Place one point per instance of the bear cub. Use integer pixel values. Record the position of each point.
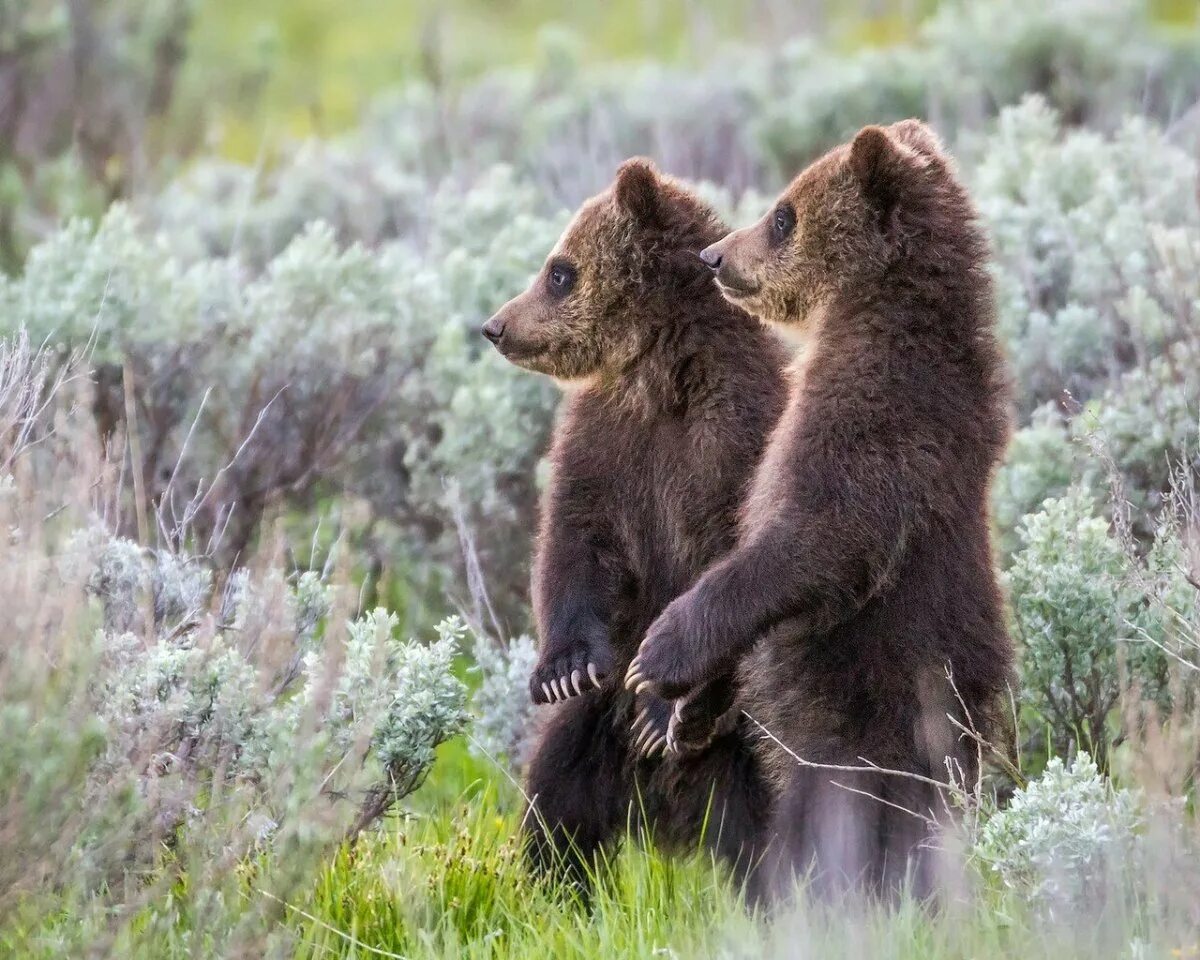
(671, 392)
(863, 589)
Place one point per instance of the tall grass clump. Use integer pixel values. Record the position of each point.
(175, 732)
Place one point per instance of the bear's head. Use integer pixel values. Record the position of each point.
(612, 280)
(842, 224)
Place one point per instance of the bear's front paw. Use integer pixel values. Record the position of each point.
(651, 725)
(573, 667)
(697, 718)
(666, 664)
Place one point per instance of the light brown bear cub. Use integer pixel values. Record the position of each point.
(864, 562)
(673, 391)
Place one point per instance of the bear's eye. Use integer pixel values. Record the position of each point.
(782, 223)
(561, 279)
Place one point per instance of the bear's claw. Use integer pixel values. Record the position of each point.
(676, 715)
(649, 729)
(564, 678)
(633, 676)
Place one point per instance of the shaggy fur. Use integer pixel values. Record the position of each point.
(676, 393)
(864, 562)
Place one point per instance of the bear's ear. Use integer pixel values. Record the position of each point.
(875, 161)
(638, 191)
(919, 136)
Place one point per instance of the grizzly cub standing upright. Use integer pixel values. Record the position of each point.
(864, 556)
(675, 393)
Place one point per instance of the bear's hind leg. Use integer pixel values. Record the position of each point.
(824, 832)
(579, 787)
(717, 797)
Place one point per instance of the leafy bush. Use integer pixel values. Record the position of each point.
(1043, 460)
(503, 711)
(1073, 611)
(1087, 282)
(161, 714)
(1087, 58)
(1098, 617)
(1066, 839)
(331, 371)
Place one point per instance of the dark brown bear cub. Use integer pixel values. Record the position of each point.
(671, 394)
(864, 562)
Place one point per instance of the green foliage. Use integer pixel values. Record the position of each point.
(191, 722)
(1065, 839)
(331, 369)
(1042, 461)
(503, 711)
(1090, 620)
(1086, 287)
(164, 720)
(89, 90)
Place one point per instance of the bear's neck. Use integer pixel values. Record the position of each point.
(938, 286)
(686, 361)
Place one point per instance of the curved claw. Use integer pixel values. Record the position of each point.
(546, 691)
(591, 669)
(646, 736)
(655, 745)
(634, 673)
(575, 682)
(565, 688)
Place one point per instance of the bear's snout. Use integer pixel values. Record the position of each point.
(493, 329)
(712, 256)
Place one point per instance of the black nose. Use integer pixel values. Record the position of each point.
(711, 257)
(493, 330)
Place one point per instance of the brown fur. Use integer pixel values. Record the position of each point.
(864, 562)
(675, 392)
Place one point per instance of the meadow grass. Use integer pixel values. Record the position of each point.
(446, 880)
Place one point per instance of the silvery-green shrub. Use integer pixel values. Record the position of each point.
(503, 712)
(1081, 623)
(1067, 839)
(1082, 226)
(331, 370)
(258, 690)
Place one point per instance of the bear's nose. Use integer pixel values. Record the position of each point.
(712, 257)
(493, 330)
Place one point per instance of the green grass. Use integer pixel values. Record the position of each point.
(448, 881)
(445, 880)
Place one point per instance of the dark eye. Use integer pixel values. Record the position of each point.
(561, 279)
(782, 222)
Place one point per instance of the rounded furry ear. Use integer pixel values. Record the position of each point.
(918, 135)
(638, 190)
(869, 152)
(874, 163)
